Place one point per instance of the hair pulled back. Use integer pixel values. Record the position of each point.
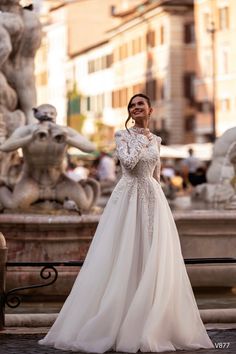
(129, 104)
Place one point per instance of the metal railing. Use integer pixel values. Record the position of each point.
(49, 274)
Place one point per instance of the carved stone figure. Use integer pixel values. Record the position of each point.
(44, 145)
(20, 39)
(221, 175)
(20, 33)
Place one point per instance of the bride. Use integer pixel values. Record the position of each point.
(133, 291)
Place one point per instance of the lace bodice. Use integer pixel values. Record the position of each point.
(139, 156)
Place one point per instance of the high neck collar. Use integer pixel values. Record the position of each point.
(139, 130)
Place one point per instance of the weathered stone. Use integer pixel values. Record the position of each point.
(221, 175)
(20, 33)
(44, 146)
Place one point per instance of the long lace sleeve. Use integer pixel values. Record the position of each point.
(128, 151)
(157, 170)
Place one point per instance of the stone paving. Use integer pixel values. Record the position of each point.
(11, 343)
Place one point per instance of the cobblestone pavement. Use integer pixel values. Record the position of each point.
(224, 341)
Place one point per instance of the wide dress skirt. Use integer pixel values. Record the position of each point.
(133, 292)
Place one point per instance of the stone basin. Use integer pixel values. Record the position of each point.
(38, 238)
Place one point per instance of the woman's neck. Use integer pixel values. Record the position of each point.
(140, 126)
(140, 129)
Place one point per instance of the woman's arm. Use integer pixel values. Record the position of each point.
(128, 151)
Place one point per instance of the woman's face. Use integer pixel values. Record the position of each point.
(139, 109)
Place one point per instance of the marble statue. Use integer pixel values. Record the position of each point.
(44, 145)
(221, 175)
(20, 33)
(20, 39)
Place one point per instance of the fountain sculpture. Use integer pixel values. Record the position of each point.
(220, 186)
(20, 33)
(49, 237)
(33, 226)
(44, 145)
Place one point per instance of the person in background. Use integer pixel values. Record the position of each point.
(77, 172)
(106, 169)
(177, 181)
(189, 168)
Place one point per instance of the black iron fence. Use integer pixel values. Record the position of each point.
(49, 275)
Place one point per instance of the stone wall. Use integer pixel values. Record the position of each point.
(38, 238)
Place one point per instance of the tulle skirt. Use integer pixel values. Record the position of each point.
(133, 292)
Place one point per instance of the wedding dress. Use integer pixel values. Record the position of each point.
(133, 291)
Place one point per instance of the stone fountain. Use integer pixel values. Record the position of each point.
(44, 145)
(33, 230)
(220, 190)
(45, 215)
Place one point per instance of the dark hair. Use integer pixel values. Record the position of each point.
(130, 101)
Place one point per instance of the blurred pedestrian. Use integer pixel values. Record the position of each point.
(106, 168)
(77, 172)
(189, 168)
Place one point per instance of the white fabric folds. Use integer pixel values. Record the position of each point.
(133, 292)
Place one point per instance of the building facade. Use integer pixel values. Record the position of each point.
(69, 27)
(154, 53)
(50, 61)
(181, 56)
(152, 50)
(215, 83)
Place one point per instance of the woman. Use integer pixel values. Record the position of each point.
(133, 292)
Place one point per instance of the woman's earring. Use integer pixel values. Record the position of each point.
(132, 121)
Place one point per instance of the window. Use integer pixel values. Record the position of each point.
(206, 19)
(123, 97)
(150, 38)
(207, 65)
(224, 61)
(123, 51)
(190, 123)
(88, 104)
(137, 88)
(223, 18)
(207, 107)
(224, 104)
(151, 89)
(101, 63)
(100, 103)
(136, 45)
(98, 64)
(109, 60)
(115, 99)
(161, 91)
(120, 52)
(189, 86)
(91, 66)
(204, 106)
(189, 33)
(162, 35)
(119, 98)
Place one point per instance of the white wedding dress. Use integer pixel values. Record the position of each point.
(133, 291)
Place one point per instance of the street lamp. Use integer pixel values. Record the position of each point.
(212, 31)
